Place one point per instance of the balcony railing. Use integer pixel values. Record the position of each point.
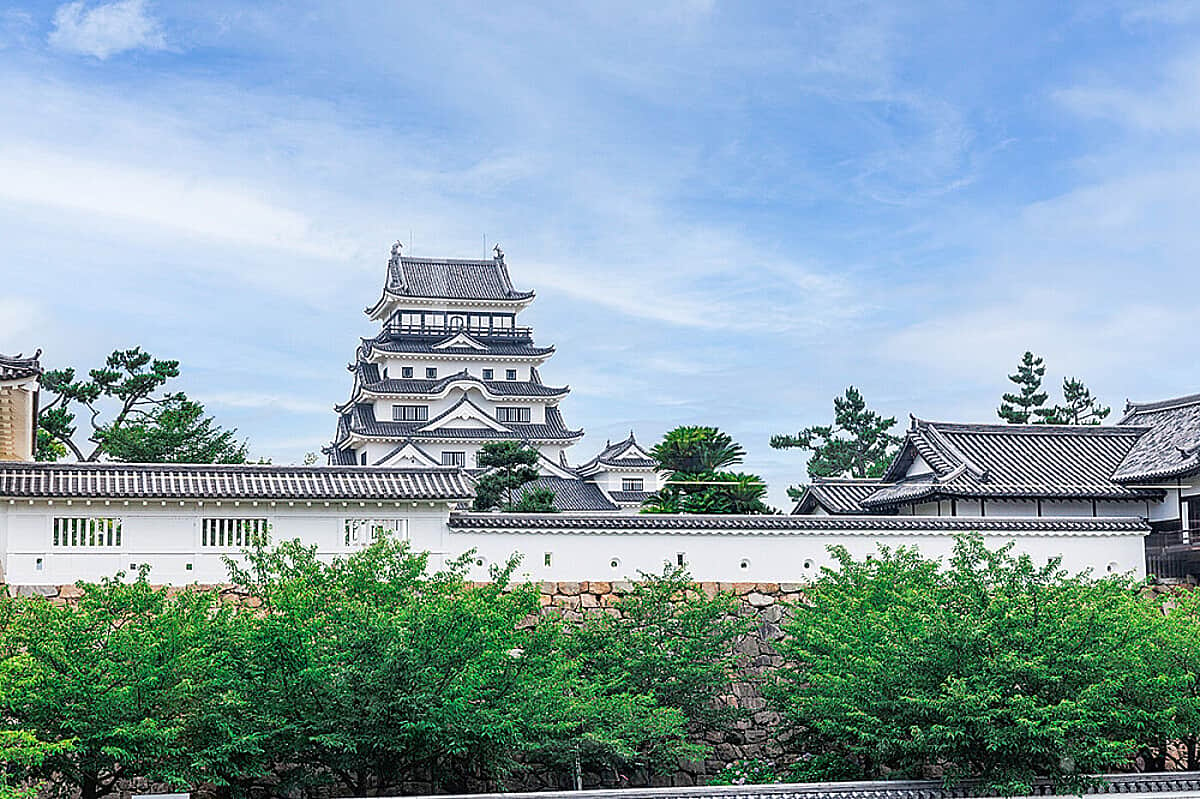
(514, 333)
(1173, 554)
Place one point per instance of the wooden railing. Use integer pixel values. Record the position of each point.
(523, 333)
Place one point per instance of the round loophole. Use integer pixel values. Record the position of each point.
(615, 563)
(808, 564)
(744, 563)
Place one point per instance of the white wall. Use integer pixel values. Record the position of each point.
(168, 536)
(791, 557)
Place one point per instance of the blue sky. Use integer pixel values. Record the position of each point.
(730, 211)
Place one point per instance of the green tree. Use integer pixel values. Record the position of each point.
(1079, 406)
(20, 751)
(1018, 408)
(857, 444)
(370, 672)
(693, 459)
(671, 641)
(146, 426)
(510, 466)
(130, 683)
(989, 667)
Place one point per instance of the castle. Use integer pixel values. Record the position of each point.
(450, 369)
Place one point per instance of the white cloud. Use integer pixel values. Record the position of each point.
(177, 201)
(106, 29)
(1168, 103)
(275, 402)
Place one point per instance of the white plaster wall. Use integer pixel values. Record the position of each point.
(793, 557)
(167, 537)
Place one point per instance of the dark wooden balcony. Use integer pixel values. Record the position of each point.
(1173, 554)
(438, 331)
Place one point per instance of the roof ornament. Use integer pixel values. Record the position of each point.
(499, 253)
(396, 250)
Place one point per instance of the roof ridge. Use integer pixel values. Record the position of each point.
(984, 428)
(1134, 408)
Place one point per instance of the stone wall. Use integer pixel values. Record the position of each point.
(754, 737)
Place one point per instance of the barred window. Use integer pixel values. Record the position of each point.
(410, 413)
(361, 532)
(632, 484)
(512, 415)
(87, 531)
(454, 459)
(223, 532)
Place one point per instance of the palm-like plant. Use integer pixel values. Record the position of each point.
(697, 449)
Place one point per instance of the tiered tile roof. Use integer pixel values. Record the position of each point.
(451, 278)
(371, 381)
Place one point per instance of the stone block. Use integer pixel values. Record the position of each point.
(768, 588)
(568, 589)
(791, 588)
(599, 588)
(760, 600)
(741, 589)
(773, 614)
(37, 590)
(70, 591)
(622, 587)
(589, 600)
(548, 587)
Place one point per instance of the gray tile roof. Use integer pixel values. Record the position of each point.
(1171, 446)
(215, 481)
(371, 380)
(396, 344)
(631, 497)
(784, 525)
(1170, 785)
(18, 367)
(626, 453)
(573, 495)
(836, 495)
(443, 278)
(1010, 461)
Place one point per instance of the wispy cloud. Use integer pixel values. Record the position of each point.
(106, 29)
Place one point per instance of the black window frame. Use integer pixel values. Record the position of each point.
(457, 458)
(431, 373)
(504, 413)
(629, 483)
(406, 371)
(510, 374)
(410, 413)
(489, 374)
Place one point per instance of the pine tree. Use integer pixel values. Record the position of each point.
(1017, 408)
(1080, 408)
(857, 444)
(511, 466)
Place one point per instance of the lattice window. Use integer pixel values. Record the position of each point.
(513, 415)
(87, 531)
(363, 532)
(632, 484)
(229, 532)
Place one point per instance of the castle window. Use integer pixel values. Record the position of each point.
(362, 459)
(520, 415)
(406, 371)
(362, 532)
(410, 413)
(632, 484)
(454, 459)
(488, 374)
(456, 322)
(680, 559)
(510, 374)
(431, 372)
(87, 531)
(222, 532)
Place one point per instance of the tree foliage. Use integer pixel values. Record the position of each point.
(1028, 405)
(1079, 406)
(693, 458)
(146, 426)
(1018, 408)
(510, 465)
(671, 641)
(370, 672)
(857, 444)
(987, 667)
(130, 683)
